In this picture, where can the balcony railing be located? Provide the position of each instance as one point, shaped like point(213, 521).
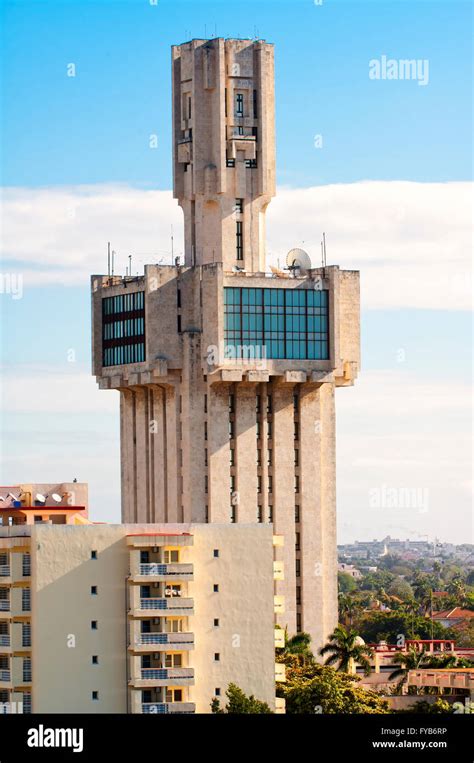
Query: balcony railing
point(171, 603)
point(173, 570)
point(4, 570)
point(164, 638)
point(5, 640)
point(164, 674)
point(168, 707)
point(241, 133)
point(4, 605)
point(5, 675)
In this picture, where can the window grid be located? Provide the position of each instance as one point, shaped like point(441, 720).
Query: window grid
point(123, 329)
point(289, 323)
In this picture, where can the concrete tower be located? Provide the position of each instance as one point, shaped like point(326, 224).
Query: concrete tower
point(226, 373)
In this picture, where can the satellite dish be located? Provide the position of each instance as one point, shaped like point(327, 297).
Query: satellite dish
point(298, 259)
point(40, 498)
point(56, 497)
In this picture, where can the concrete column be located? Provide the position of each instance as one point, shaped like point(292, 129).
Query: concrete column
point(284, 498)
point(312, 537)
point(158, 452)
point(127, 458)
point(328, 506)
point(246, 434)
point(142, 473)
point(218, 453)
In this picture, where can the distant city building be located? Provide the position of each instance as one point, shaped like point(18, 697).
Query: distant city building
point(136, 618)
point(349, 569)
point(226, 372)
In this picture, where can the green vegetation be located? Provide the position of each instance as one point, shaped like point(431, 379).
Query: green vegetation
point(345, 648)
point(311, 688)
point(398, 599)
point(239, 703)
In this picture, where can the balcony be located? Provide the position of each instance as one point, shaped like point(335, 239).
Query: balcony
point(279, 638)
point(278, 571)
point(180, 708)
point(5, 678)
point(163, 572)
point(4, 641)
point(163, 607)
point(160, 642)
point(241, 133)
point(4, 605)
point(163, 677)
point(279, 605)
point(280, 672)
point(4, 570)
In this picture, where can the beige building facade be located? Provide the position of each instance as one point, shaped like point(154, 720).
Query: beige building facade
point(136, 618)
point(226, 372)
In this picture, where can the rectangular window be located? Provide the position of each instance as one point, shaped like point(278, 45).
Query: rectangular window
point(239, 205)
point(278, 323)
point(270, 513)
point(27, 670)
point(26, 565)
point(297, 544)
point(93, 590)
point(239, 241)
point(251, 164)
point(297, 514)
point(298, 568)
point(239, 104)
point(255, 105)
point(95, 659)
point(26, 634)
point(229, 162)
point(123, 329)
point(26, 600)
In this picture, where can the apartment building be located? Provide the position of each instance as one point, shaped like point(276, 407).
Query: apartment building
point(136, 618)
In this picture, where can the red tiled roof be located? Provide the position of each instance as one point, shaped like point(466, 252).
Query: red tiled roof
point(454, 614)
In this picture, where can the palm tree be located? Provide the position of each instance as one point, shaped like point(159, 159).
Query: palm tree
point(299, 644)
point(348, 608)
point(413, 659)
point(345, 649)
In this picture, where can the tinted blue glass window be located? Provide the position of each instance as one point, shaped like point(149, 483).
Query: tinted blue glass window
point(287, 323)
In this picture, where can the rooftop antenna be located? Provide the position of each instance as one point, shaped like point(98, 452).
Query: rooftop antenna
point(108, 258)
point(113, 261)
point(324, 250)
point(129, 264)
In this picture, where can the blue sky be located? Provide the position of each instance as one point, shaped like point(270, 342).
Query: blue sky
point(95, 127)
point(93, 130)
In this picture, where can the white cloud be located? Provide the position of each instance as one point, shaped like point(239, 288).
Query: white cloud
point(411, 241)
point(405, 432)
point(34, 390)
